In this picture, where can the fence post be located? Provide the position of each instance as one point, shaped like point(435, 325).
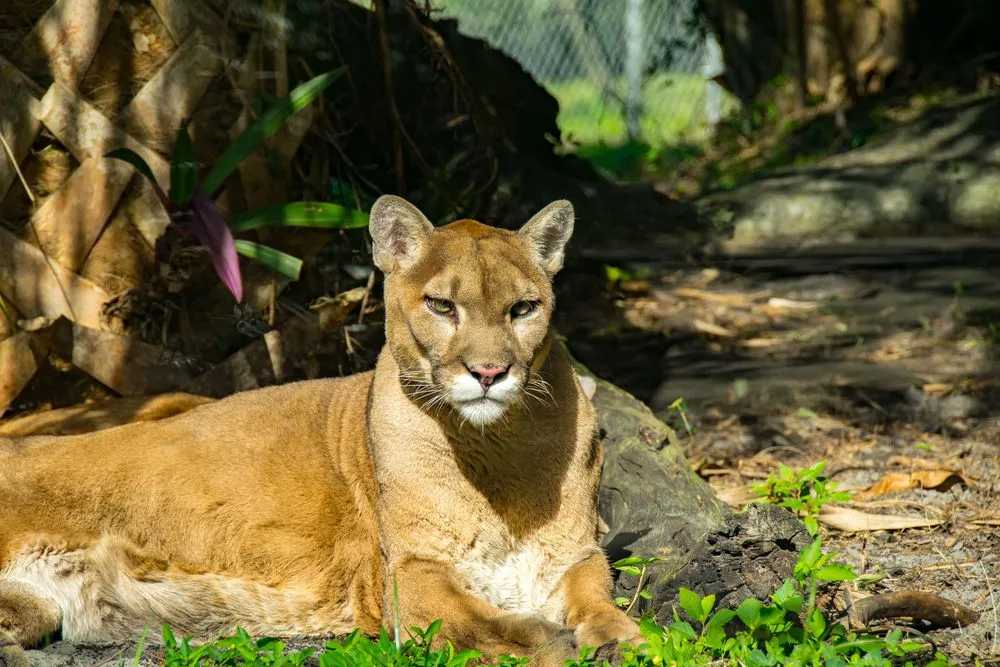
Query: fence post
point(634, 60)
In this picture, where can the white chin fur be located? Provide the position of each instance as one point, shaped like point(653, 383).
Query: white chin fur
point(475, 407)
point(481, 412)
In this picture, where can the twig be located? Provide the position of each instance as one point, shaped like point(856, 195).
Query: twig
point(368, 291)
point(17, 168)
point(638, 590)
point(995, 644)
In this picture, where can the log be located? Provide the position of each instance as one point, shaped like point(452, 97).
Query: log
point(750, 555)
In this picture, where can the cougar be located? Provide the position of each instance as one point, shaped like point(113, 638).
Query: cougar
point(457, 481)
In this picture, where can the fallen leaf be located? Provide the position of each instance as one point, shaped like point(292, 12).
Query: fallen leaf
point(778, 302)
point(851, 520)
point(713, 329)
point(725, 298)
point(736, 496)
point(986, 521)
point(940, 479)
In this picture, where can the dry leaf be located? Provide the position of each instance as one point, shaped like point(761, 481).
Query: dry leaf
point(736, 496)
point(851, 520)
point(986, 521)
point(724, 298)
point(713, 329)
point(941, 479)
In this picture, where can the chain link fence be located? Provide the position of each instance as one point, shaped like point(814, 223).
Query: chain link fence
point(621, 70)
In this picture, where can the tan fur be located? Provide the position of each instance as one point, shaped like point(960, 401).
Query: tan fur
point(98, 416)
point(316, 507)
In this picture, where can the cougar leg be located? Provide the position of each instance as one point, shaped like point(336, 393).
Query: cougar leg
point(25, 618)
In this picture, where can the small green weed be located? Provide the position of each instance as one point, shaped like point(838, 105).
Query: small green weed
point(804, 492)
point(680, 408)
point(634, 566)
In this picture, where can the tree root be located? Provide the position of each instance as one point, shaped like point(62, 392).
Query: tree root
point(933, 609)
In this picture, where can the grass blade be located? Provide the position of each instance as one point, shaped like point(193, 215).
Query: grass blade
point(183, 169)
point(277, 261)
point(302, 214)
point(266, 125)
point(134, 159)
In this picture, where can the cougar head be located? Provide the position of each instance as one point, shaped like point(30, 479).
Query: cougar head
point(468, 305)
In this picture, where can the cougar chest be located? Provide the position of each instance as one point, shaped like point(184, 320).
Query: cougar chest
point(517, 576)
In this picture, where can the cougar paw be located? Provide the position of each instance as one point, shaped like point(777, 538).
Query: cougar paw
point(557, 651)
point(608, 626)
point(528, 630)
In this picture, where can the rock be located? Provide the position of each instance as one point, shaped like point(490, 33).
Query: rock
point(939, 173)
point(651, 500)
point(749, 556)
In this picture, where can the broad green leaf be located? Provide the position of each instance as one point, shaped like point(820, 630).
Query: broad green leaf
point(277, 261)
point(622, 601)
point(183, 169)
point(707, 603)
point(684, 629)
point(815, 623)
point(265, 126)
point(302, 214)
point(808, 558)
point(749, 612)
point(630, 570)
point(690, 602)
point(835, 572)
point(787, 597)
point(649, 629)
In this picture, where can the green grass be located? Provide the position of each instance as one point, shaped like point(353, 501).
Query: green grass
point(673, 107)
point(787, 628)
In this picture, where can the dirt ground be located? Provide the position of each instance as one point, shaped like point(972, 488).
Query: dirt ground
point(872, 364)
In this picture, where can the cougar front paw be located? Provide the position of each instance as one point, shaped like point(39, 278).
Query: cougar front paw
point(528, 630)
point(557, 651)
point(607, 626)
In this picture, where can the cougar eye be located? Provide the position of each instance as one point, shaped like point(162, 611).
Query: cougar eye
point(439, 306)
point(522, 308)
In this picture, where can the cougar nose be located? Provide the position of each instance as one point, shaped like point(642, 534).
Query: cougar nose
point(488, 374)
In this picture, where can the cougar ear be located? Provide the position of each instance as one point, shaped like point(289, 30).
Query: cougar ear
point(400, 232)
point(547, 233)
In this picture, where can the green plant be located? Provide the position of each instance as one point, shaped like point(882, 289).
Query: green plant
point(191, 206)
point(804, 492)
point(635, 566)
point(681, 409)
point(787, 629)
point(355, 650)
